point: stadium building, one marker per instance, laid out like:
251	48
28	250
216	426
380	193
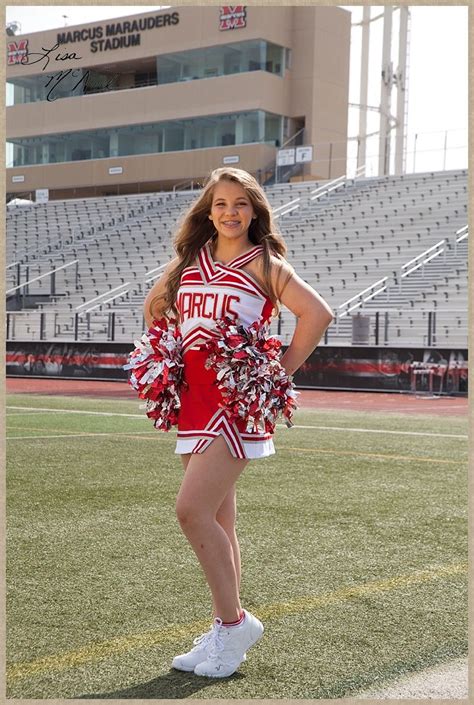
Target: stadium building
111	128
142	103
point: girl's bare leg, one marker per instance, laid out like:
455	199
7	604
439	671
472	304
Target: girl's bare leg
226	516
208	480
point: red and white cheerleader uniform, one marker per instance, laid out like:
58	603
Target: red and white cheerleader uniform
207	292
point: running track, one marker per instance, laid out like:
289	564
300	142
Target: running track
308	399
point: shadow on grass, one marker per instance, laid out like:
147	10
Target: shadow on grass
175	684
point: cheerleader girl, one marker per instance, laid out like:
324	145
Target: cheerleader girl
231	261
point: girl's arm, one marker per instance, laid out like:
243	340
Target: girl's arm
158	288
313	313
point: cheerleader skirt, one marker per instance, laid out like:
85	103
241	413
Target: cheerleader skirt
202	417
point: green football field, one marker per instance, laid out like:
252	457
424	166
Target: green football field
353	539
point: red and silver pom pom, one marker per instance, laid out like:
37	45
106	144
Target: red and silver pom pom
254	385
157	372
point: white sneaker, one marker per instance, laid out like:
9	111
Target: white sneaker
188	661
227	646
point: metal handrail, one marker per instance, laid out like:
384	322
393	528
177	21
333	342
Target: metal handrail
326	189
333	185
278	208
123	291
184	183
102	303
360	297
462	232
41	276
422	259
100	296
157	269
290	139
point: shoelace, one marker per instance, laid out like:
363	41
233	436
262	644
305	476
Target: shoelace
203	639
215	641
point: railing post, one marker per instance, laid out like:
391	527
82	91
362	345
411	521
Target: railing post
13	327
385	328
430	314
77	274
18	274
52	290
8	326
377	315
279	324
433	326
111	325
76	326
42	325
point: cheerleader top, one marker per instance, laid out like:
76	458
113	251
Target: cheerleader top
212	290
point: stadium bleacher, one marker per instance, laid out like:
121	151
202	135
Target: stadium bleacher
364	231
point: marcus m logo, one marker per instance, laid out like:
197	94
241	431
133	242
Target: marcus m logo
17	51
232	17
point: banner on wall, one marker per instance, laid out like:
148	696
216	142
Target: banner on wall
82	360
383	369
387	369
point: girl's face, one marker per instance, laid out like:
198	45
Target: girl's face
231	210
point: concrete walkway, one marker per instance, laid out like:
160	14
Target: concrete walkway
450	681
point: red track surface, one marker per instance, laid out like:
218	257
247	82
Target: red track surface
354	401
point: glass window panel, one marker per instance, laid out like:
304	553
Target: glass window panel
197	133
273	128
274	59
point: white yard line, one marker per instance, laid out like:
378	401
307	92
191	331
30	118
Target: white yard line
125	434
319	428
77	411
382	430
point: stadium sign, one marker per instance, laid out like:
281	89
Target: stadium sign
304	154
16	51
232	17
117	35
286	157
42	195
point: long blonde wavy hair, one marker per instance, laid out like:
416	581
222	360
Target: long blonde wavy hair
195	229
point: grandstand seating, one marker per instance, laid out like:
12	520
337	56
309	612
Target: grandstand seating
341	243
